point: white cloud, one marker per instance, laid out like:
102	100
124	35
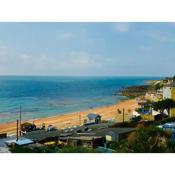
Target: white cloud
83	59
74	63
122	26
160	36
66	35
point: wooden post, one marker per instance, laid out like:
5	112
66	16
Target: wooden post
17	130
20	121
123	115
80	119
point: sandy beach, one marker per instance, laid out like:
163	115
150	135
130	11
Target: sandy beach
77	118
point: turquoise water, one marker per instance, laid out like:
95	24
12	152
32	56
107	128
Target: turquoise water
47	96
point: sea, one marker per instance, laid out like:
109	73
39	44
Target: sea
43	96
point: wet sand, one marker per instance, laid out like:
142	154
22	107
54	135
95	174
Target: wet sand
77	118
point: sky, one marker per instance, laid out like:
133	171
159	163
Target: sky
87	49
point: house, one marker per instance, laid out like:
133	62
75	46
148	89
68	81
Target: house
168	80
114	134
109	134
93	119
42	136
86	141
20	142
96	137
169	93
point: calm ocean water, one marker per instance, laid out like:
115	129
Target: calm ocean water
47	96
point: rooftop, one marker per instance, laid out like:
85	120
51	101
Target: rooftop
92	116
104	131
41	135
95	133
88	138
116	130
171	84
20	142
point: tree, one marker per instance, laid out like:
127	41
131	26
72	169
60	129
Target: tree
164	104
119	111
143	140
26	127
174	78
159	86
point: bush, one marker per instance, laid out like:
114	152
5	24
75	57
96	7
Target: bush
143	140
28	149
51	149
159	86
171	146
69	149
146	140
136	119
119	111
113	145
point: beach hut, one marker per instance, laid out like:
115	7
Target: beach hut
21	142
94	118
113	134
109	134
86	141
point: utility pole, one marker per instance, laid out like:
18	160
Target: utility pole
17	122
80	119
151	109
20	120
123	115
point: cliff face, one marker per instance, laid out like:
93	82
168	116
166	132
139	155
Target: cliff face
173	93
136	91
172	111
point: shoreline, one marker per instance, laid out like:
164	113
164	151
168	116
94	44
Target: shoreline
77	118
108	112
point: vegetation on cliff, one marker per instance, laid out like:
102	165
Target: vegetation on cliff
135	91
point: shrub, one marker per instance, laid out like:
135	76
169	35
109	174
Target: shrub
143	140
69	149
51	149
136	119
171	146
28	149
119	111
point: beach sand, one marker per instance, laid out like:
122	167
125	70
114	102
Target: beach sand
77	118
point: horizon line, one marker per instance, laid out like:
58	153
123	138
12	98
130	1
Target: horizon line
13	75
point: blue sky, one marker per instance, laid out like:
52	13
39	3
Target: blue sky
135	49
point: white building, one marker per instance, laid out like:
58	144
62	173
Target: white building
168	91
